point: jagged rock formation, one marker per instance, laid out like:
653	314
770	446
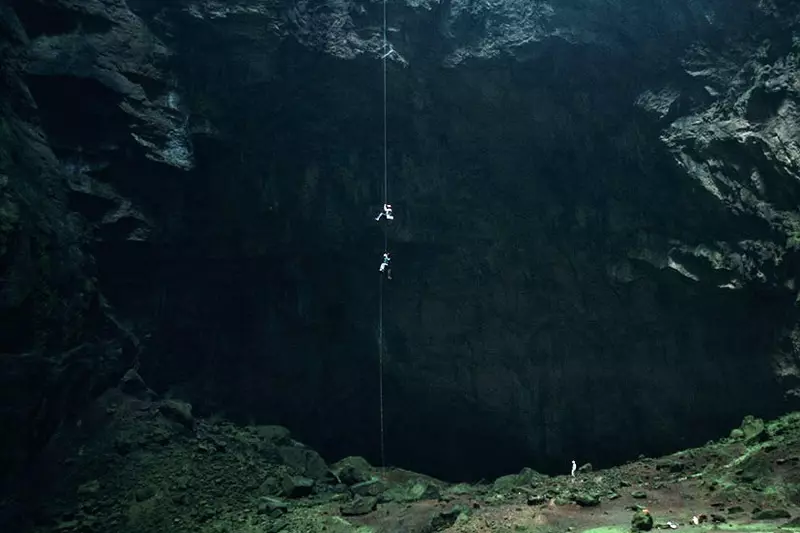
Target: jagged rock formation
742	148
60	343
586	265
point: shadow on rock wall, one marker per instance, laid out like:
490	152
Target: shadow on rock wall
226	162
534	315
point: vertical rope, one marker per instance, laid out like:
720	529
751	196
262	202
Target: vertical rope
380	373
385	248
385	137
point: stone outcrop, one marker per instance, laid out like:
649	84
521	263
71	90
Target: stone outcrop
742	149
60	342
594	241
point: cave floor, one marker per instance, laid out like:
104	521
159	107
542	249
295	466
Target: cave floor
736	485
137	463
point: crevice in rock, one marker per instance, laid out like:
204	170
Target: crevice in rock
122	229
18	334
91	206
49	18
764	104
78	111
151	86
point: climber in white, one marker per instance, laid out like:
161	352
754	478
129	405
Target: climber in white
574	468
387	212
390	52
385	268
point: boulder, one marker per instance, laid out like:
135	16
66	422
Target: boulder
642	521
305	462
178	411
296	486
360	505
753	429
273	434
373	487
273	507
586	499
133	384
352	470
771	514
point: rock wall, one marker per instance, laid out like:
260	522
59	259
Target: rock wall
586	262
77	136
60	344
741	149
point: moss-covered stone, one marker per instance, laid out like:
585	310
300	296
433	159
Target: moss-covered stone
586	499
737	434
459	489
642	521
446	518
412	491
352	470
373	487
360	505
756	469
523	479
296	486
753	429
305	462
771	514
274	507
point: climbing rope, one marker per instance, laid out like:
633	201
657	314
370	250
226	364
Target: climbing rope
380	373
386	54
385	244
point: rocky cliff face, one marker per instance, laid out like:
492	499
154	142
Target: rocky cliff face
741	150
594	246
61	344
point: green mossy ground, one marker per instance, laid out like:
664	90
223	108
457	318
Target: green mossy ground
136	463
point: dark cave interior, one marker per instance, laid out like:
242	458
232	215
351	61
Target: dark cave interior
524	326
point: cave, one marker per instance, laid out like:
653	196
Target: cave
518	181
594	242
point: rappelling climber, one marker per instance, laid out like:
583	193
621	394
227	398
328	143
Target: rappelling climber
387	212
385	267
390	52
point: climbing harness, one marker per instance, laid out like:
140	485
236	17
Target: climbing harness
385	56
387	212
390	52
